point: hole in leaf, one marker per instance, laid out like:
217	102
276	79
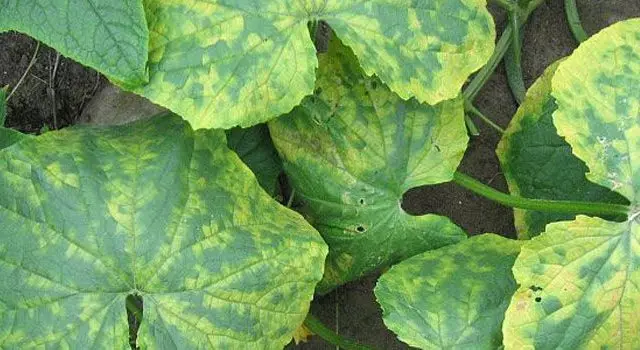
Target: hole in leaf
361	229
134	316
535	288
538	299
361	201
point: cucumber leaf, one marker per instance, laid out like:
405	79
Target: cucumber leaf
110	36
580	280
452	297
351	150
225	63
253	145
91	215
538	163
578	286
7	136
599	107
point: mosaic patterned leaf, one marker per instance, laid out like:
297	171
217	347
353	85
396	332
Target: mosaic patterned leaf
453	297
351	150
580	280
599	107
223	63
90	215
538	163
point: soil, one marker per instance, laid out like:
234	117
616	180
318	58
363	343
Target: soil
351	309
31	108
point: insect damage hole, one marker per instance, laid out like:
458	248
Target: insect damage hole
538	299
535	288
361	229
134	306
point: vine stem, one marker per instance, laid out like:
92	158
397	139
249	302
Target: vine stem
555	206
472	90
471	126
573	18
513	58
318	328
478	81
473	110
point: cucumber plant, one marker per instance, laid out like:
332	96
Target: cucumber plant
162	219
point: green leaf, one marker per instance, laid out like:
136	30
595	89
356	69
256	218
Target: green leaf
9	137
225	63
351	150
580	281
579	288
599	106
538	163
110	36
91	215
425	49
452	297
253	145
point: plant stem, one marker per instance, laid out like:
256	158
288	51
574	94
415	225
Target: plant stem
473	110
472	90
478	81
555	206
471	126
513	59
573	18
318	328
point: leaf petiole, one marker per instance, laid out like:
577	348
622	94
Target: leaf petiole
473	110
573	18
471	126
478	81
556	206
513	58
318	328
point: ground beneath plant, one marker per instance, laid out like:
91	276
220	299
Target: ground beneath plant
55	95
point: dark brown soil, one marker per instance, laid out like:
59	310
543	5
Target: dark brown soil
31	108
351	309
